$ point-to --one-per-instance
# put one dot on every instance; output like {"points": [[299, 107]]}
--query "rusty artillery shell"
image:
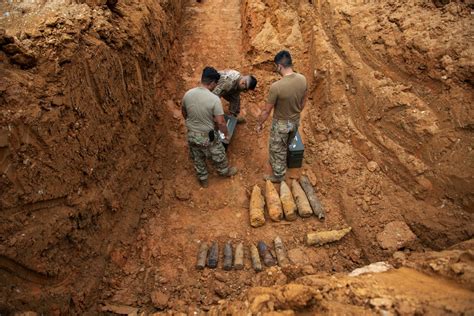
{"points": [[213, 257], [202, 256], [324, 237], [239, 257], [228, 256], [256, 263], [265, 254], [312, 198], [280, 252], [275, 210], [304, 209], [288, 202], [257, 205]]}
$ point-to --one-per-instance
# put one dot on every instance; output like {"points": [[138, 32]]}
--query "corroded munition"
{"points": [[312, 198], [228, 256], [324, 237], [213, 257], [202, 256], [265, 254], [239, 257], [256, 263], [304, 209], [257, 205], [275, 211], [280, 252], [287, 201]]}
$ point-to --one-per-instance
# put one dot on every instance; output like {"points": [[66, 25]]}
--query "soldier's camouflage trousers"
{"points": [[281, 133], [201, 148]]}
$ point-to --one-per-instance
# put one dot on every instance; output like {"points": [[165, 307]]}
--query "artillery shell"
{"points": [[256, 263], [288, 202], [280, 252], [275, 210], [257, 205], [265, 254], [324, 237], [304, 209], [202, 256], [228, 256], [312, 198], [213, 257], [239, 257]]}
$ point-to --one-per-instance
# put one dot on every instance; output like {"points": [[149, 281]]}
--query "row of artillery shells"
{"points": [[301, 200], [235, 260]]}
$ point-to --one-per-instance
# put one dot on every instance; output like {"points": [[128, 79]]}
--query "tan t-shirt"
{"points": [[287, 95], [201, 106]]}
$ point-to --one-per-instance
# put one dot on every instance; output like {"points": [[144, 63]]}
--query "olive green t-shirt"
{"points": [[201, 106], [287, 95]]}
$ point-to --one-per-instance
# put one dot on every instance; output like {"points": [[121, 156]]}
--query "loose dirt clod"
{"points": [[288, 202], [304, 208], [257, 208], [275, 210], [202, 256], [324, 237], [254, 255], [312, 198]]}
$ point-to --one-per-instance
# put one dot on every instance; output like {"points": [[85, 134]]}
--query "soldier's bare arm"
{"points": [[264, 115], [221, 124]]}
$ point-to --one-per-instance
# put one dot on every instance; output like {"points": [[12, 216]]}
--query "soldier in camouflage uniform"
{"points": [[202, 111], [230, 85], [286, 97]]}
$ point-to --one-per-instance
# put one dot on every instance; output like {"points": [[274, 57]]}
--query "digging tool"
{"points": [[312, 198], [202, 256], [324, 237]]}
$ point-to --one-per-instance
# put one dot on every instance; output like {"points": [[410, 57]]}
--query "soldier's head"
{"points": [[282, 61], [248, 82], [210, 77]]}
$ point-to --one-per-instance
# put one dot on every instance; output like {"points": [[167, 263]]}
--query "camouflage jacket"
{"points": [[228, 83]]}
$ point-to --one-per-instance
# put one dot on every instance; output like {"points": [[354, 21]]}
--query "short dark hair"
{"points": [[283, 58], [210, 75], [252, 83]]}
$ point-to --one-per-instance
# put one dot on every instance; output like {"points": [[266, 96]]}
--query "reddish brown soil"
{"points": [[100, 208]]}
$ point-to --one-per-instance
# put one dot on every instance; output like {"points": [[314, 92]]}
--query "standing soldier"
{"points": [[202, 111], [230, 85], [286, 97]]}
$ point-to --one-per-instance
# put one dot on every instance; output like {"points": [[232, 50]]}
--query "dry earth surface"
{"points": [[100, 210]]}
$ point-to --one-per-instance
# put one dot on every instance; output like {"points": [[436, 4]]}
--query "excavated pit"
{"points": [[100, 211]]}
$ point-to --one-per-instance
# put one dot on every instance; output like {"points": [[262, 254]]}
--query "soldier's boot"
{"points": [[230, 172], [204, 183], [273, 178]]}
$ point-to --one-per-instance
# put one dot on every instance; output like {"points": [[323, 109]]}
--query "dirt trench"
{"points": [[100, 209]]}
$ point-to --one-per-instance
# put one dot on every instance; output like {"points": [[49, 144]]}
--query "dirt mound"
{"points": [[100, 209]]}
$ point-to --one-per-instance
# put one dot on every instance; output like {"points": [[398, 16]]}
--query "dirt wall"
{"points": [[80, 125]]}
